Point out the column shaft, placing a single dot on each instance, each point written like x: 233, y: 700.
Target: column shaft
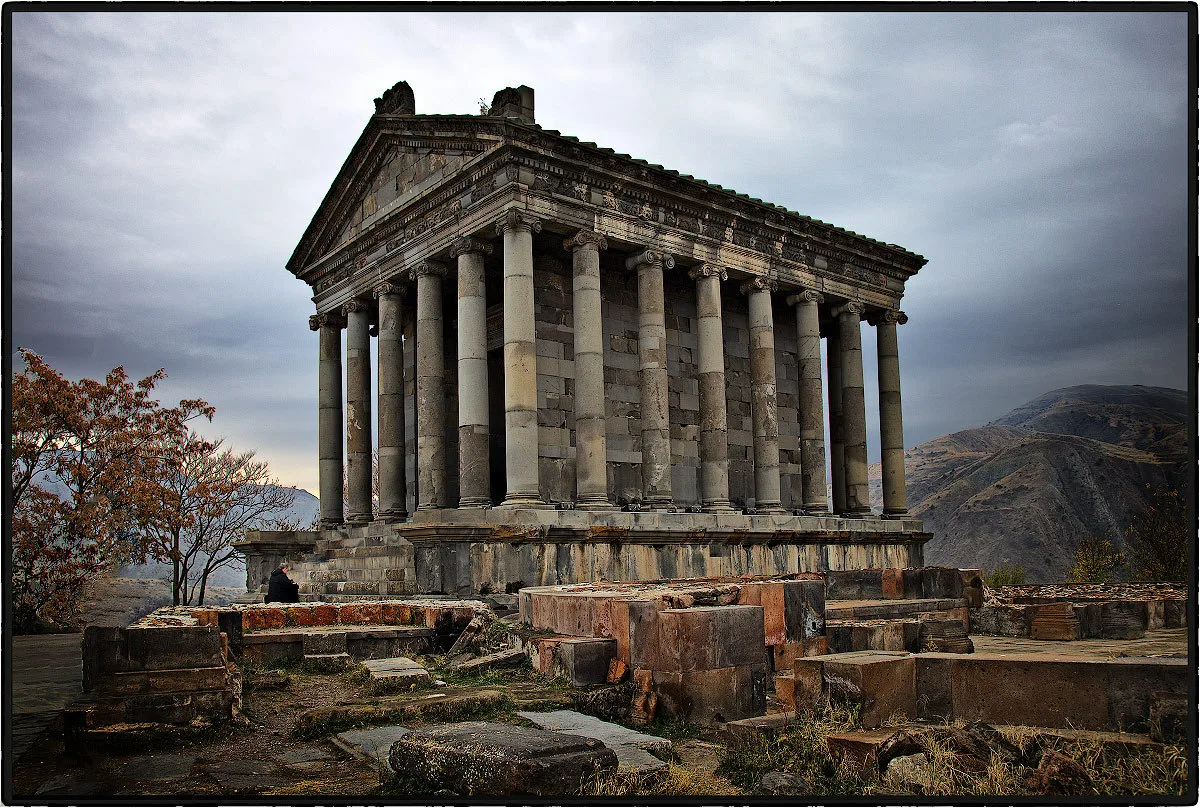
x: 358, y: 411
x: 520, y: 363
x: 390, y: 353
x: 764, y: 411
x: 891, y: 425
x: 474, y: 466
x: 431, y: 388
x: 854, y: 410
x: 591, y: 452
x: 652, y: 355
x: 710, y: 367
x: 812, y: 413
x: 329, y: 417
x: 837, y: 456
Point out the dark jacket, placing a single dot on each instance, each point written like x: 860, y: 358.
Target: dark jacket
x: 281, y: 588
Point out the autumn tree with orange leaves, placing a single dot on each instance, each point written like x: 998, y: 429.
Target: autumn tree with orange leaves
x: 85, y: 468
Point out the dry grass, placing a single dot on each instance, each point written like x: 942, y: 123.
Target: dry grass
x: 678, y: 780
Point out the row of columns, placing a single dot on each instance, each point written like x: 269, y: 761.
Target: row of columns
x: 846, y: 400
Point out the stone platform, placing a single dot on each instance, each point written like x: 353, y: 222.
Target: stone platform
x: 469, y: 551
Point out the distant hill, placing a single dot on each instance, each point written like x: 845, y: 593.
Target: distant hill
x: 1027, y: 487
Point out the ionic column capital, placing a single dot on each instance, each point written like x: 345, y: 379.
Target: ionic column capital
x: 427, y: 268
x: 515, y: 220
x: 759, y: 284
x: 469, y: 244
x: 654, y: 258
x: 806, y: 296
x: 329, y: 319
x: 396, y: 287
x: 851, y: 307
x: 586, y: 240
x: 354, y: 306
x: 889, y: 316
x: 708, y: 271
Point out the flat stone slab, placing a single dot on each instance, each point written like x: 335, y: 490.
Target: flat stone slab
x: 245, y: 775
x: 305, y: 758
x: 479, y: 758
x: 372, y: 745
x: 634, y: 749
x: 509, y: 656
x: 157, y: 767
x: 394, y: 673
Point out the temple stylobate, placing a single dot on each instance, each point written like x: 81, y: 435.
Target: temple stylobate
x: 589, y: 366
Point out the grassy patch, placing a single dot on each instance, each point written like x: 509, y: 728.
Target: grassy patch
x: 802, y: 750
x: 678, y: 781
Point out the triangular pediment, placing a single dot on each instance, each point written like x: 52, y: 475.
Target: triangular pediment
x: 393, y: 169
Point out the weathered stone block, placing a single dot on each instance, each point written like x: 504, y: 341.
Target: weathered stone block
x: 1003, y: 621
x: 1123, y: 620
x: 259, y: 618
x: 854, y: 584
x: 808, y: 684
x: 882, y: 685
x: 586, y: 661
x: 785, y: 694
x: 1054, y: 621
x: 941, y: 582
x: 893, y: 584
x: 1174, y: 613
x: 323, y: 642
x: 484, y: 759
x: 722, y: 694
x: 1155, y: 615
x: 163, y: 681
x: 708, y: 637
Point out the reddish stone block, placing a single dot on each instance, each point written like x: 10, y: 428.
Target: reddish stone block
x: 785, y: 692
x: 301, y: 616
x: 722, y: 694
x: 750, y: 594
x: 602, y: 617
x: 542, y: 657
x: 350, y: 613
x: 325, y: 614
x: 205, y: 617
x: 395, y: 614
x: 816, y: 646
x: 542, y: 611
x: 786, y: 655
x: 893, y: 584
x: 643, y: 628
x: 773, y: 600
x: 882, y: 685
x: 260, y: 618
x: 619, y: 615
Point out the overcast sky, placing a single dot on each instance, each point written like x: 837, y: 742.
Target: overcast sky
x: 164, y: 166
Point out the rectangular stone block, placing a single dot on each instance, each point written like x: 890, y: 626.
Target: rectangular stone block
x: 808, y: 683
x: 882, y: 685
x: 1123, y: 620
x: 586, y: 661
x: 1155, y: 615
x: 893, y: 584
x: 324, y: 642
x: 1029, y: 691
x: 134, y: 683
x: 935, y: 696
x: 1174, y: 613
x: 1054, y: 621
x: 710, y: 637
x: 785, y: 694
x: 360, y: 613
x: 173, y: 647
x: 259, y: 618
x: 941, y: 582
x: 854, y: 584
x: 705, y: 696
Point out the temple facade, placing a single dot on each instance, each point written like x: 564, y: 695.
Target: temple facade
x: 577, y: 349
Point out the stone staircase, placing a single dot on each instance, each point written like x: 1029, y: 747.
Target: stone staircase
x: 361, y: 562
x: 922, y: 609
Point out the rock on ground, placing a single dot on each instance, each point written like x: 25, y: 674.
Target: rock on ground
x: 478, y: 758
x: 635, y: 750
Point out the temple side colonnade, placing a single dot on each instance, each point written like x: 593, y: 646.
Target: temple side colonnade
x: 383, y: 313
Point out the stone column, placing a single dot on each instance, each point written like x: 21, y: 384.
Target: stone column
x: 652, y: 354
x: 764, y: 411
x: 390, y: 352
x: 358, y: 410
x: 329, y: 416
x: 474, y: 466
x: 710, y: 367
x: 431, y: 387
x: 591, y: 452
x: 837, y: 457
x: 891, y: 425
x: 812, y: 413
x: 854, y: 410
x: 520, y: 362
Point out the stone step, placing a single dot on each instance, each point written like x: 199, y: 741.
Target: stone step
x: 394, y: 674
x: 891, y: 609
x: 364, y: 551
x: 872, y: 635
x: 945, y: 636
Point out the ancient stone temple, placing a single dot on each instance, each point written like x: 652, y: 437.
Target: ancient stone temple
x: 588, y: 367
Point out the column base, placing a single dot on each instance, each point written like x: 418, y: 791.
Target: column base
x: 854, y: 514
x: 474, y: 502
x: 359, y: 519
x: 429, y: 506
x: 897, y: 515
x: 330, y: 524
x: 391, y: 516
x: 596, y: 505
x: 771, y: 509
x: 524, y: 501
x: 720, y: 506
x: 817, y: 511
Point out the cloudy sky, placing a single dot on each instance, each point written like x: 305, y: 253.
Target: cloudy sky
x: 164, y: 166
